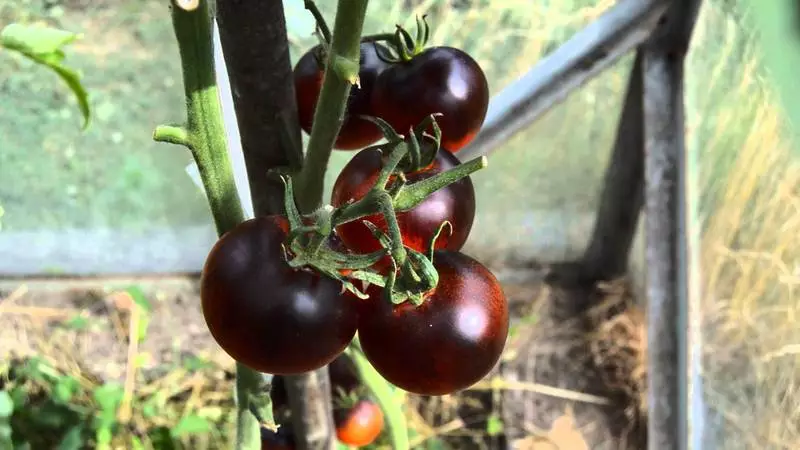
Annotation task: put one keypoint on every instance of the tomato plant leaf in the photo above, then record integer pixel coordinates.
(189, 425)
(64, 389)
(139, 298)
(73, 440)
(6, 405)
(108, 397)
(44, 45)
(136, 443)
(494, 425)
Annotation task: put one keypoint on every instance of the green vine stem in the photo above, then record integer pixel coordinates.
(341, 72)
(395, 418)
(204, 134)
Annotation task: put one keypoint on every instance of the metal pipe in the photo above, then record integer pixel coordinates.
(581, 58)
(666, 228)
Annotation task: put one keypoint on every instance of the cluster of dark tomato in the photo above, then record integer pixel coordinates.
(282, 319)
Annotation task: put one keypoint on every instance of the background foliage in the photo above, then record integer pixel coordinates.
(542, 186)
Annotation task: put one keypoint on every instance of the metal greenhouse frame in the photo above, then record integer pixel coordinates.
(659, 32)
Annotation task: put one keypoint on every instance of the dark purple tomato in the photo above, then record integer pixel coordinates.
(267, 315)
(280, 440)
(343, 374)
(449, 342)
(442, 80)
(355, 133)
(454, 203)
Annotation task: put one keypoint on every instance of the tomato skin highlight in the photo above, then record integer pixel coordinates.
(454, 203)
(359, 425)
(446, 344)
(355, 132)
(438, 80)
(267, 315)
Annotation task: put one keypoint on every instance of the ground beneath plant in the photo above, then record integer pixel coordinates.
(562, 379)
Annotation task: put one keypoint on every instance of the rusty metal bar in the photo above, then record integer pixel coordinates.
(590, 51)
(666, 227)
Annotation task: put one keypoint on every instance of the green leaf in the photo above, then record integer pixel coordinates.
(6, 443)
(194, 363)
(6, 405)
(161, 439)
(191, 424)
(103, 436)
(65, 388)
(108, 397)
(77, 323)
(19, 396)
(141, 331)
(139, 298)
(136, 443)
(36, 40)
(44, 46)
(494, 425)
(73, 440)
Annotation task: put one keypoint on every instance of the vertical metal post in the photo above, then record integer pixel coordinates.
(666, 227)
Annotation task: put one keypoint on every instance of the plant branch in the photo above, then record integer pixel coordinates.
(340, 73)
(395, 419)
(204, 134)
(321, 23)
(253, 38)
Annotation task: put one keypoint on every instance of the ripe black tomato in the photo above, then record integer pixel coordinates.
(454, 203)
(438, 80)
(449, 342)
(355, 132)
(267, 315)
(343, 374)
(280, 440)
(360, 425)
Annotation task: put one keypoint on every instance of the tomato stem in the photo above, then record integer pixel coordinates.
(321, 23)
(345, 53)
(395, 419)
(413, 194)
(204, 134)
(204, 131)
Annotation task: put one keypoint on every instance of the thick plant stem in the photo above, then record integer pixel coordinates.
(340, 73)
(204, 132)
(204, 135)
(395, 419)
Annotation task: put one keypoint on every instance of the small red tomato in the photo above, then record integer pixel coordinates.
(355, 133)
(267, 315)
(454, 203)
(449, 342)
(360, 425)
(442, 80)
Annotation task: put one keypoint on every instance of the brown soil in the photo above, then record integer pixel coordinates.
(555, 371)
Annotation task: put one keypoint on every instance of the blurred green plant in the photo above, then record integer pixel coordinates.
(44, 45)
(778, 23)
